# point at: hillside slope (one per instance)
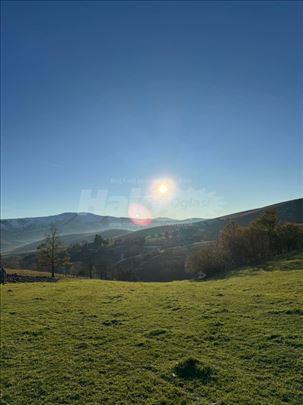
(70, 239)
(125, 343)
(166, 248)
(25, 233)
(288, 211)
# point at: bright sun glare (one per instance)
(163, 188)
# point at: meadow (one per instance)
(236, 340)
(32, 273)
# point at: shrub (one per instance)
(206, 262)
(192, 368)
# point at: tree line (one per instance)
(96, 259)
(238, 246)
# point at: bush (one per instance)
(191, 368)
(206, 262)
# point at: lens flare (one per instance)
(139, 215)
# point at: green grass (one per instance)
(231, 341)
(25, 272)
(34, 273)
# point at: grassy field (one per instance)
(31, 273)
(105, 342)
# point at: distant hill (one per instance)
(69, 239)
(206, 230)
(166, 247)
(288, 211)
(23, 234)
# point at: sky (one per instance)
(102, 100)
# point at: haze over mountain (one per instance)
(206, 230)
(24, 234)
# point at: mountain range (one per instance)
(22, 235)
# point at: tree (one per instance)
(244, 245)
(289, 237)
(52, 252)
(99, 241)
(93, 256)
(266, 225)
(229, 241)
(87, 256)
(267, 221)
(206, 262)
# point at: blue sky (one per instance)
(112, 95)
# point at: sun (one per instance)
(163, 188)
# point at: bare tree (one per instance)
(52, 252)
